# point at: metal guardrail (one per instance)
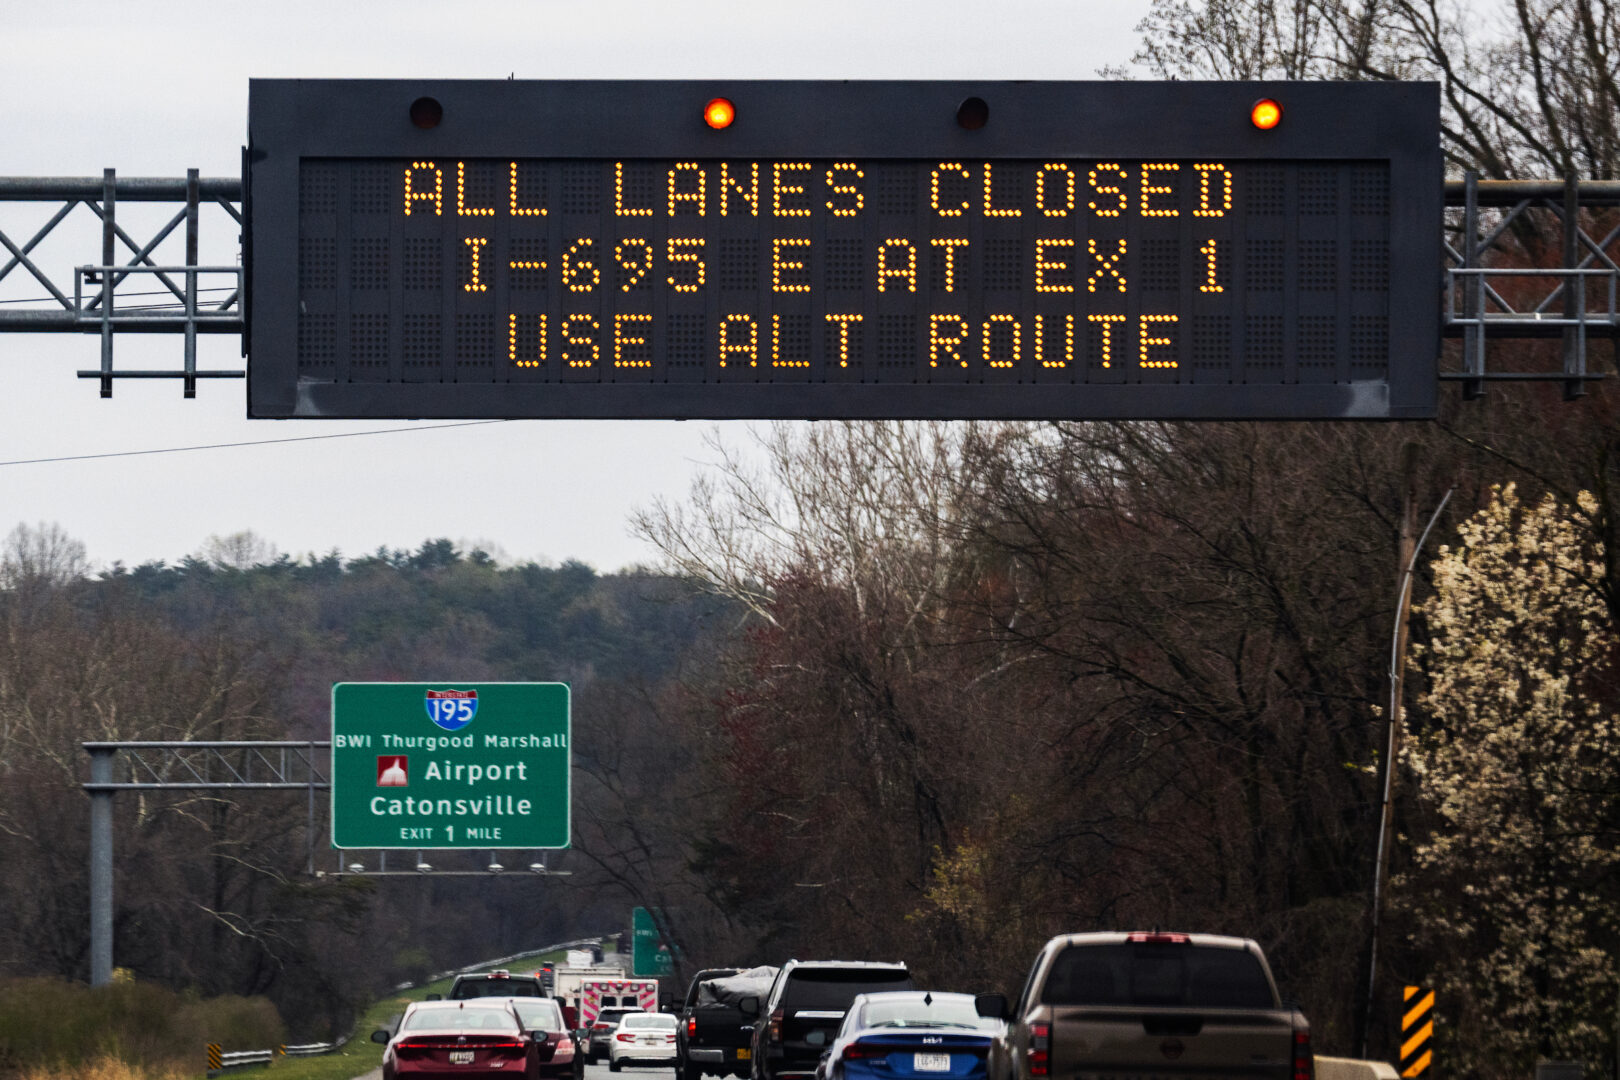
(309, 1049)
(219, 1062)
(503, 961)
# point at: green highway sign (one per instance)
(450, 765)
(648, 953)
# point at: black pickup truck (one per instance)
(714, 1036)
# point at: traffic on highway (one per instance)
(1094, 1006)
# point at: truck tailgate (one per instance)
(1104, 1043)
(721, 1025)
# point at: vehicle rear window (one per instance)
(1152, 974)
(539, 1015)
(943, 1012)
(485, 1019)
(651, 1021)
(835, 988)
(477, 988)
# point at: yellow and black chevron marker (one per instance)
(1417, 1027)
(213, 1056)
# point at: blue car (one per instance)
(910, 1035)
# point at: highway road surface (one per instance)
(592, 1072)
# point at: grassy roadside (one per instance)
(360, 1054)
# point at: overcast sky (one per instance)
(152, 89)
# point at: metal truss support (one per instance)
(222, 766)
(91, 304)
(421, 867)
(183, 766)
(1494, 292)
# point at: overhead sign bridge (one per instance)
(842, 250)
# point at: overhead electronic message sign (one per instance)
(833, 250)
(450, 765)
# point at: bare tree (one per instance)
(1529, 87)
(42, 555)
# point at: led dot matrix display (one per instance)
(1142, 251)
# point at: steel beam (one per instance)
(1578, 299)
(1481, 315)
(100, 308)
(127, 189)
(1511, 192)
(101, 864)
(280, 761)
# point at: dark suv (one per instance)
(799, 1017)
(494, 984)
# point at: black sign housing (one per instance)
(842, 250)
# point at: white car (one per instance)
(645, 1038)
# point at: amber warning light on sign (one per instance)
(1266, 114)
(719, 113)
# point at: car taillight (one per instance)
(565, 1043)
(622, 1037)
(670, 1037)
(860, 1052)
(1157, 938)
(451, 1042)
(776, 1026)
(1304, 1063)
(691, 1026)
(1040, 1049)
(599, 1027)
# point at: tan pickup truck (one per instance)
(1149, 1006)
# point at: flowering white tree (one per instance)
(1515, 751)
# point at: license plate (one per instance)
(744, 1055)
(464, 1057)
(931, 1062)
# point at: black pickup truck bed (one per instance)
(714, 1036)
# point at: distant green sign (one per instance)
(450, 765)
(648, 953)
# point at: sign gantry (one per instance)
(682, 249)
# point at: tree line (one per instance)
(212, 890)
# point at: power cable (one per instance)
(250, 442)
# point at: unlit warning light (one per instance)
(1266, 114)
(719, 113)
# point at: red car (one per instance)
(551, 1042)
(455, 1038)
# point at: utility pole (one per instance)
(1410, 544)
(101, 866)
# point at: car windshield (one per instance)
(474, 1019)
(539, 1015)
(648, 1022)
(911, 1013)
(1152, 974)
